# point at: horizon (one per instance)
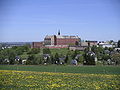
(32, 20)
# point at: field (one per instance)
(60, 77)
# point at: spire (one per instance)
(59, 32)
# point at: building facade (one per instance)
(37, 45)
(61, 40)
(57, 41)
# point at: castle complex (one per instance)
(57, 41)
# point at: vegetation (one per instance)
(35, 56)
(64, 69)
(119, 44)
(48, 80)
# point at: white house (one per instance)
(105, 44)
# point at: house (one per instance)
(92, 43)
(84, 44)
(117, 49)
(74, 62)
(106, 44)
(37, 45)
(62, 60)
(81, 48)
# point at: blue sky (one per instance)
(32, 20)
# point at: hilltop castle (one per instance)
(57, 41)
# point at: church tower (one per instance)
(59, 32)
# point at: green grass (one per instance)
(64, 69)
(62, 51)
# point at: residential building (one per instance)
(37, 45)
(106, 44)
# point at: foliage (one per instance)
(30, 60)
(75, 54)
(46, 51)
(89, 56)
(57, 61)
(52, 60)
(34, 51)
(89, 59)
(106, 57)
(34, 60)
(118, 43)
(8, 55)
(66, 59)
(116, 58)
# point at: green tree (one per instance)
(66, 59)
(2, 57)
(52, 60)
(20, 61)
(106, 57)
(57, 61)
(75, 54)
(34, 51)
(11, 56)
(46, 51)
(38, 60)
(89, 59)
(30, 60)
(116, 58)
(118, 43)
(111, 49)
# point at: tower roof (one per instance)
(59, 32)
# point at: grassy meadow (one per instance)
(55, 77)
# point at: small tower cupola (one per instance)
(59, 32)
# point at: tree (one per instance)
(106, 57)
(20, 61)
(34, 51)
(20, 49)
(52, 60)
(111, 41)
(118, 43)
(57, 61)
(38, 60)
(86, 50)
(99, 51)
(11, 56)
(81, 58)
(2, 57)
(30, 60)
(75, 54)
(76, 43)
(89, 56)
(66, 58)
(111, 49)
(46, 51)
(26, 47)
(116, 58)
(89, 59)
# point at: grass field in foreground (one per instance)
(25, 80)
(64, 69)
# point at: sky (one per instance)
(32, 20)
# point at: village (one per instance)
(62, 49)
